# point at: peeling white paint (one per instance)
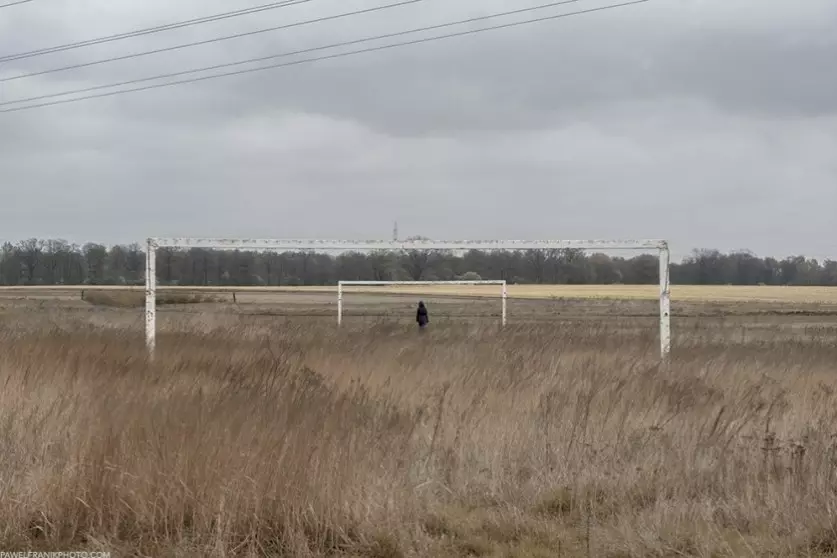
(151, 297)
(665, 302)
(362, 245)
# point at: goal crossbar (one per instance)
(397, 245)
(342, 284)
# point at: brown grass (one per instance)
(301, 440)
(134, 299)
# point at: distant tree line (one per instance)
(56, 262)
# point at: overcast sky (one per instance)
(711, 123)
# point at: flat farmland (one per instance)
(752, 312)
(699, 293)
(692, 293)
(526, 303)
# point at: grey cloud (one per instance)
(516, 78)
(690, 120)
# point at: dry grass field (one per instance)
(263, 430)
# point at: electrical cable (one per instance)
(285, 54)
(303, 61)
(151, 30)
(209, 41)
(10, 4)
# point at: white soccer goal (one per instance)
(396, 245)
(341, 284)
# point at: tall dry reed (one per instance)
(301, 440)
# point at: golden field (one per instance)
(256, 435)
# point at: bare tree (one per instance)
(96, 256)
(30, 255)
(537, 264)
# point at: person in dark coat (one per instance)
(422, 317)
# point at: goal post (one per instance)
(267, 244)
(500, 283)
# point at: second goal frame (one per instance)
(341, 284)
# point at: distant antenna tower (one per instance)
(395, 231)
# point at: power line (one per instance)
(309, 60)
(150, 30)
(10, 4)
(285, 54)
(213, 40)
